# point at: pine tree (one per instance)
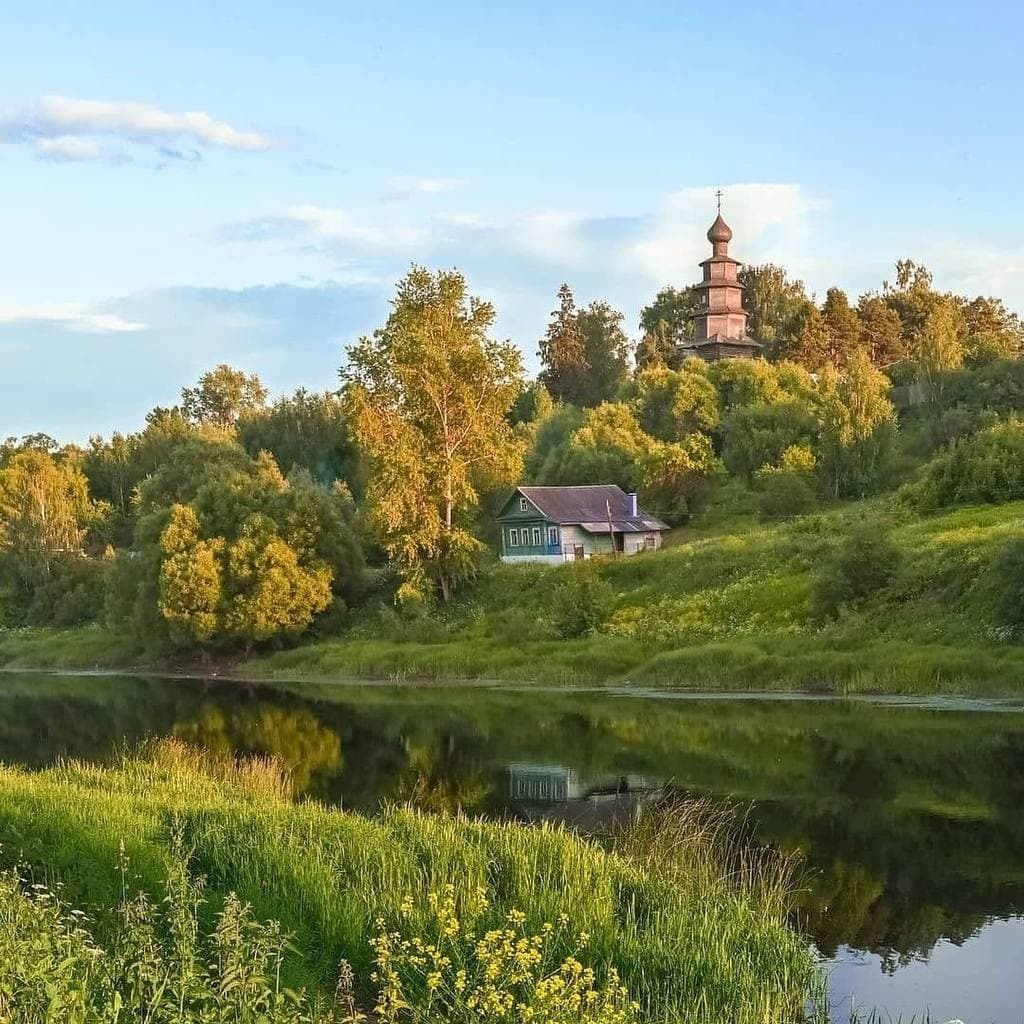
(562, 353)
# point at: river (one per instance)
(909, 815)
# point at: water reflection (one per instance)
(907, 818)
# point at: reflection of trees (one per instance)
(295, 735)
(441, 775)
(909, 819)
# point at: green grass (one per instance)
(693, 937)
(726, 605)
(83, 648)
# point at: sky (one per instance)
(197, 183)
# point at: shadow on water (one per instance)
(908, 818)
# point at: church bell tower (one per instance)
(720, 324)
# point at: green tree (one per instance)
(675, 478)
(742, 382)
(45, 512)
(992, 331)
(857, 425)
(666, 326)
(938, 345)
(430, 394)
(843, 327)
(547, 457)
(228, 553)
(912, 298)
(307, 430)
(606, 349)
(670, 404)
(813, 342)
(776, 308)
(607, 448)
(881, 330)
(562, 352)
(222, 395)
(756, 436)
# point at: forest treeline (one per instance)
(230, 521)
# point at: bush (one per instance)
(785, 494)
(1007, 578)
(987, 468)
(581, 601)
(864, 563)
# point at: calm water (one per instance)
(910, 818)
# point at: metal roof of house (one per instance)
(587, 505)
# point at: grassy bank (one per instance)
(689, 935)
(728, 606)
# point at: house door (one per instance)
(619, 541)
(577, 552)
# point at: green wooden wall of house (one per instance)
(524, 531)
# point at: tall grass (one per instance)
(701, 937)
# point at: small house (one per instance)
(563, 524)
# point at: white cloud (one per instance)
(771, 220)
(406, 188)
(68, 147)
(70, 316)
(66, 128)
(977, 269)
(129, 118)
(521, 259)
(339, 227)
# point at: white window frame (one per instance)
(524, 505)
(537, 541)
(552, 536)
(513, 538)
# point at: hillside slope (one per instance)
(729, 609)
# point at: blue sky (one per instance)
(201, 182)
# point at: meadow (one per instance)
(678, 913)
(727, 606)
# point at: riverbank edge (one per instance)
(777, 665)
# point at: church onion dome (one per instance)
(719, 231)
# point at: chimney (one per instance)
(632, 504)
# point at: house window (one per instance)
(536, 536)
(513, 538)
(552, 535)
(524, 505)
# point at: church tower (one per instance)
(720, 324)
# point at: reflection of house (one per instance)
(560, 524)
(546, 783)
(540, 792)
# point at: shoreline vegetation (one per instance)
(731, 607)
(676, 914)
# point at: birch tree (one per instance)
(429, 394)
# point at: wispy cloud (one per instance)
(70, 129)
(71, 317)
(402, 189)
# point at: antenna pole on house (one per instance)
(611, 532)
